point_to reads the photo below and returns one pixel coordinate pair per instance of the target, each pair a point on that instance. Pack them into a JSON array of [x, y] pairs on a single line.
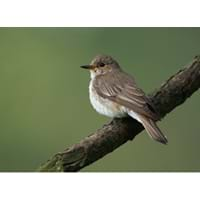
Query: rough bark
[[171, 94]]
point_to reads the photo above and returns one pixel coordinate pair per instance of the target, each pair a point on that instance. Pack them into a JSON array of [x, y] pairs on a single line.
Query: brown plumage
[[110, 84]]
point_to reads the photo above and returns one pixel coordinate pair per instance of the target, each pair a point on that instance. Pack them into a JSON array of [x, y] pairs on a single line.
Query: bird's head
[[102, 64]]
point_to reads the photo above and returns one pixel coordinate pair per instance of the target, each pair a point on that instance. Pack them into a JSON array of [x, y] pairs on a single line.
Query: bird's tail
[[150, 126], [153, 130]]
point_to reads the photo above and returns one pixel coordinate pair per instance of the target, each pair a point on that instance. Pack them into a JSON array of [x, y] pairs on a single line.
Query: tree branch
[[172, 93]]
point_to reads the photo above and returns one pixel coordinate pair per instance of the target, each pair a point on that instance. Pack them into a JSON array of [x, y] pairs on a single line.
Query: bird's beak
[[88, 66]]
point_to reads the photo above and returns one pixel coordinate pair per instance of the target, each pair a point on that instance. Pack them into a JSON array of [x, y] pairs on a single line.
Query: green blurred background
[[44, 104]]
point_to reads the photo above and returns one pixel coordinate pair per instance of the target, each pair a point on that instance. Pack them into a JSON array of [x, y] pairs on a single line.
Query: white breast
[[105, 106]]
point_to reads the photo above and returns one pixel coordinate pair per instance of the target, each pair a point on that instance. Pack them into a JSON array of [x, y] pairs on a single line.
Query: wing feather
[[122, 89]]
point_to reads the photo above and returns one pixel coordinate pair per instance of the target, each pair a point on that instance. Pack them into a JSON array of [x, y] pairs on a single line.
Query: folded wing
[[122, 89]]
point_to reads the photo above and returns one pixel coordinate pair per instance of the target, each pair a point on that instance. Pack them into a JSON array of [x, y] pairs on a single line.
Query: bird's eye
[[101, 64]]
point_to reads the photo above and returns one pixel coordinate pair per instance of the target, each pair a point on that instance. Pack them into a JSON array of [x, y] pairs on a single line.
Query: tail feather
[[153, 130], [151, 127]]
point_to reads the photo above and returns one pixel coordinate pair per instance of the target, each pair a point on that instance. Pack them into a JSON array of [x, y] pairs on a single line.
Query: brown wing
[[122, 89]]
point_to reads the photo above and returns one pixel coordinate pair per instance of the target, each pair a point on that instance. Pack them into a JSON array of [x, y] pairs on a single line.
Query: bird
[[114, 93]]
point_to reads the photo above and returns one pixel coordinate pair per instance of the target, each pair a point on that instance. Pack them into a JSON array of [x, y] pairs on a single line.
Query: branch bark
[[171, 94]]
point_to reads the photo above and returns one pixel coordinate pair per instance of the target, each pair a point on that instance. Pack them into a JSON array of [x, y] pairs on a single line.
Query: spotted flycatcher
[[114, 93]]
